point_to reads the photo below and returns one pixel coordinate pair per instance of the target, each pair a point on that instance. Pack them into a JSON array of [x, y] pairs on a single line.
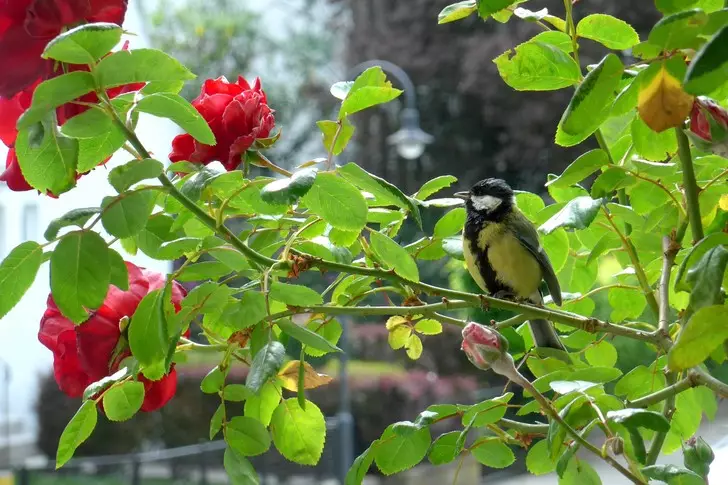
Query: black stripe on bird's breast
[[473, 225], [489, 275]]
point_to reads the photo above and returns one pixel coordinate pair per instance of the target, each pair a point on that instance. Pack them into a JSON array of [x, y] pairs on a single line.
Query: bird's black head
[[491, 198]]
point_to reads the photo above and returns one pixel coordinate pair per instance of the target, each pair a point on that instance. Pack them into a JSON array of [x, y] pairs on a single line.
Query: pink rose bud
[[482, 345], [709, 126]]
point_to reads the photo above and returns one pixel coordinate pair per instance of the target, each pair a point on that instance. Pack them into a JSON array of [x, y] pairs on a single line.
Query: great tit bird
[[503, 253]]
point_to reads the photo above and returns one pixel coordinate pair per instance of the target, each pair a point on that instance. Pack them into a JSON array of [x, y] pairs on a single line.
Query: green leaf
[[239, 470], [428, 326], [706, 278], [673, 475], [17, 273], [336, 134], [216, 421], [444, 449], [49, 165], [119, 273], [122, 401], [247, 312], [489, 7], [77, 430], [306, 336], [707, 70], [84, 44], [124, 176], [581, 168], [538, 461], [577, 214], [640, 418], [537, 66], [329, 194], [433, 186], [261, 406], [266, 364], [580, 472], [696, 254], [370, 88], [148, 338], [609, 181], [299, 433], [55, 92], [80, 274], [602, 354], [626, 303], [385, 192], [331, 331], [678, 31], [237, 393], [94, 151], [487, 412], [591, 102], [705, 331], [607, 30], [401, 452], [207, 297], [127, 214], [213, 382], [456, 11], [639, 382], [74, 217], [394, 256], [492, 453], [360, 467], [139, 65], [451, 223], [94, 122], [182, 113], [288, 190], [295, 295], [247, 436]]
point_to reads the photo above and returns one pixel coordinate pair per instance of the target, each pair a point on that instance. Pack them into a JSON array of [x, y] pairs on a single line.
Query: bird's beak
[[462, 195]]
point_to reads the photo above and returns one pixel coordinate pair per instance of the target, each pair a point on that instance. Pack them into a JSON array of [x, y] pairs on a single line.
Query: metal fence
[[200, 464]]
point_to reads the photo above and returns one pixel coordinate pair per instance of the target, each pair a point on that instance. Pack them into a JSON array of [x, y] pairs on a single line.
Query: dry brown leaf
[[662, 103], [312, 379]]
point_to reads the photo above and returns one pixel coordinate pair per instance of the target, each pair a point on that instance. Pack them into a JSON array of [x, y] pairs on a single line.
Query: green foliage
[[621, 228]]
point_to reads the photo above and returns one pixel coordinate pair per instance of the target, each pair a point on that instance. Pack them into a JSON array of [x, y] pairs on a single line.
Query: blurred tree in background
[[230, 37]]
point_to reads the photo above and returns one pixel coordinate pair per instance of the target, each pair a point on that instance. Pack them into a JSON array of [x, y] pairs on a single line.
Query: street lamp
[[410, 140]]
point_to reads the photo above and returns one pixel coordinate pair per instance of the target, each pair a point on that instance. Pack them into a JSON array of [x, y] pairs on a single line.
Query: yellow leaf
[[311, 379], [723, 202], [398, 336], [414, 347], [395, 321], [662, 103]]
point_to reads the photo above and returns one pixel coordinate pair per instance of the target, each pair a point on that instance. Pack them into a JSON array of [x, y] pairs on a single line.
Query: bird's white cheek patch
[[486, 203]]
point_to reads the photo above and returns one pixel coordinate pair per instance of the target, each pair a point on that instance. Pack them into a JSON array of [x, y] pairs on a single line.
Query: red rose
[[11, 109], [86, 353], [237, 114], [482, 345], [709, 126], [26, 26]]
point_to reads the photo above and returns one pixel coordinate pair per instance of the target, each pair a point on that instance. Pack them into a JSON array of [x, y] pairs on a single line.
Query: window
[[30, 222]]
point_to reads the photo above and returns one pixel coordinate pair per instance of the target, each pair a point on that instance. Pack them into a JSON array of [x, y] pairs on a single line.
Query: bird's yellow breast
[[512, 263]]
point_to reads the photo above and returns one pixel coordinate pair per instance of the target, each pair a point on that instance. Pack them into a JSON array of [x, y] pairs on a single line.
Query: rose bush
[[237, 113], [482, 345], [86, 353]]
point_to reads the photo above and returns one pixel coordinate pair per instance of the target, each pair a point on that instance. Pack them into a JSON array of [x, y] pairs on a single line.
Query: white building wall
[[25, 215]]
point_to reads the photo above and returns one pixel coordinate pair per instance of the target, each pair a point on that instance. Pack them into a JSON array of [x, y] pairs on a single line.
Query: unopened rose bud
[[709, 126], [698, 456], [482, 345]]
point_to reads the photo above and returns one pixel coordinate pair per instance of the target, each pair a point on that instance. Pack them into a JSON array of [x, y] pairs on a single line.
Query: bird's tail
[[544, 335]]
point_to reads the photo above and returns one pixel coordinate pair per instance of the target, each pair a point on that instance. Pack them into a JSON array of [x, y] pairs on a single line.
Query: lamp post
[[410, 140]]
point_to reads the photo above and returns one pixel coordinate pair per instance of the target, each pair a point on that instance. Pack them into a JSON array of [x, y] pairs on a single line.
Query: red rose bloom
[[86, 353], [26, 26], [709, 126], [11, 109], [237, 113]]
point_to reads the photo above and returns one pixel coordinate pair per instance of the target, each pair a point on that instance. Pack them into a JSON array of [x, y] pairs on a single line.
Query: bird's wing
[[528, 237]]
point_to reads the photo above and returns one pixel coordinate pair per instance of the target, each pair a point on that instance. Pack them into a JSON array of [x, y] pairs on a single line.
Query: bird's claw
[[505, 295]]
